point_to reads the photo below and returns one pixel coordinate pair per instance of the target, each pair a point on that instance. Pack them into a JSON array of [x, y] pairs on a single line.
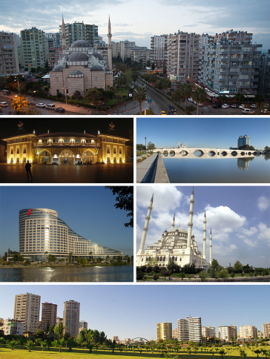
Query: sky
[[130, 311], [87, 210], [138, 20], [239, 217], [213, 132]]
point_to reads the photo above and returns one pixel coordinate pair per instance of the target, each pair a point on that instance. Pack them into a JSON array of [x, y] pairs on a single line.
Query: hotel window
[[120, 150], [56, 140], [24, 150], [65, 140], [18, 151], [108, 149], [11, 151], [114, 150]]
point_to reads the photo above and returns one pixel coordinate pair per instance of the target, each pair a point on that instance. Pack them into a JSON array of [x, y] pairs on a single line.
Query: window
[[108, 149], [18, 150], [11, 151], [120, 150], [24, 150]]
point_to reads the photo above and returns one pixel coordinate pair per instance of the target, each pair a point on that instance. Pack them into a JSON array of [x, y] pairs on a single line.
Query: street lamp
[[145, 144]]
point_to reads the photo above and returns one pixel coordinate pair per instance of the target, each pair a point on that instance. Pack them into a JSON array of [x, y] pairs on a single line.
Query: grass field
[[232, 353]]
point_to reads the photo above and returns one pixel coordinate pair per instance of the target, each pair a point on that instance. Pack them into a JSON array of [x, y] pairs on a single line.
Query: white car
[[3, 104], [225, 106], [190, 99], [248, 111], [40, 104], [253, 105], [50, 106], [241, 106]]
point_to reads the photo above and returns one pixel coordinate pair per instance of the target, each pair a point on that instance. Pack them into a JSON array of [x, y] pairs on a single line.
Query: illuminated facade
[[67, 148], [41, 232]]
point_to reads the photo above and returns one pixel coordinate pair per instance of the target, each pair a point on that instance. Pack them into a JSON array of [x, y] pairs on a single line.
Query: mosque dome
[[76, 72], [97, 68], [98, 56], [77, 56], [58, 68], [80, 43]]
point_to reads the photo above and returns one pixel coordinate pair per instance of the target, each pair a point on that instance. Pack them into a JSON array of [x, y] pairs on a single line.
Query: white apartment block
[[164, 331], [266, 330], [248, 331], [82, 325], [122, 49], [189, 329], [12, 327], [235, 36], [71, 317], [208, 332], [159, 51], [26, 310], [79, 31], [9, 61], [227, 332], [34, 48], [140, 54], [183, 52], [228, 68]]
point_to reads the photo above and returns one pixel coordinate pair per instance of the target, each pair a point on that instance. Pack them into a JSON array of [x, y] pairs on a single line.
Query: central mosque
[[176, 245]]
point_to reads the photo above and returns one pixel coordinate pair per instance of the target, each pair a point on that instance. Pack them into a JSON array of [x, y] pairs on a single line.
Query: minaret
[[109, 45], [173, 222], [64, 40], [145, 228], [210, 261], [204, 236], [190, 223]]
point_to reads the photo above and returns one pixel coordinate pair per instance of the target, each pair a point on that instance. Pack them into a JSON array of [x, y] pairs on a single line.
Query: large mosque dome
[[80, 43]]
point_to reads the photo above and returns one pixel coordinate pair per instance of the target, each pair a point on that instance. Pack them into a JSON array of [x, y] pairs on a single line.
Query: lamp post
[[145, 144]]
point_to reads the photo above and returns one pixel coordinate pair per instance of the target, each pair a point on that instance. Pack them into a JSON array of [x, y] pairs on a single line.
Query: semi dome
[[58, 68], [80, 43], [97, 68], [98, 56], [77, 56]]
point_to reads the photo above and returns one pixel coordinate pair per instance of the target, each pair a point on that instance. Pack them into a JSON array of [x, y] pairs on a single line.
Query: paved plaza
[[96, 173]]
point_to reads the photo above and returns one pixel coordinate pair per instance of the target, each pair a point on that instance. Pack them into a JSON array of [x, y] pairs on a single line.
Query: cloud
[[263, 203], [264, 233]]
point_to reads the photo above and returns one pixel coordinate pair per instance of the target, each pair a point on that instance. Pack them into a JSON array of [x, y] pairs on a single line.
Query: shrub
[[155, 276]]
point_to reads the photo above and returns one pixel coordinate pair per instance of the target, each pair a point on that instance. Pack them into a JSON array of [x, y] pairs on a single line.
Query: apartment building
[[227, 332], [183, 53], [159, 52], [122, 49], [12, 327], [266, 330], [9, 61], [79, 31], [34, 48], [71, 317], [208, 332], [235, 36], [248, 331], [26, 310], [190, 329], [164, 331], [82, 325], [49, 314]]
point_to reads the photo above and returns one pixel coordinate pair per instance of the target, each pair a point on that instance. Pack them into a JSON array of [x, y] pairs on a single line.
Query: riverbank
[[265, 278], [62, 265]]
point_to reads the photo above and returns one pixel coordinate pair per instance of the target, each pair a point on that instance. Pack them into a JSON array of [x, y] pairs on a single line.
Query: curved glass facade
[[41, 232]]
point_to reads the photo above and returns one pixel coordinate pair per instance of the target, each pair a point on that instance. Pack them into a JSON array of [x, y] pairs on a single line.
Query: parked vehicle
[[265, 111], [248, 111], [3, 104], [241, 106], [60, 109], [225, 105], [234, 105], [172, 109], [217, 105], [253, 105], [6, 92], [40, 104], [190, 99], [50, 106]]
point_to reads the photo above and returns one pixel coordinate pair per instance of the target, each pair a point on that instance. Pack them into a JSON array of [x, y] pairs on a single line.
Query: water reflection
[[218, 170], [67, 274]]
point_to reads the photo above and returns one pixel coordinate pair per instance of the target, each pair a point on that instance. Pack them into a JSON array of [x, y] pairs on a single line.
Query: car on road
[[40, 104], [190, 99], [234, 105], [253, 105], [241, 106], [60, 109], [3, 104], [265, 111], [217, 105], [248, 111], [50, 106], [172, 109], [225, 105], [163, 113]]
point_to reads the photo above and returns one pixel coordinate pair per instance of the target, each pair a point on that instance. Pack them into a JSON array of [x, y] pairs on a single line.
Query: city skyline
[[203, 132], [210, 17], [238, 216], [189, 301], [85, 217]]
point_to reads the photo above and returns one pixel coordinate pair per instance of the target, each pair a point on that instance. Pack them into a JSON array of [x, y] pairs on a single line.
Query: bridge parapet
[[175, 152]]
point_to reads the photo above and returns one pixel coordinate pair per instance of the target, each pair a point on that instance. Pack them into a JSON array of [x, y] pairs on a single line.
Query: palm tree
[[186, 91], [29, 345], [121, 81], [140, 96], [199, 95]]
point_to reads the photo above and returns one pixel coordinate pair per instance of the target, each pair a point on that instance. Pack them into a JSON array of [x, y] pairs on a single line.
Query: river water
[[67, 274], [218, 170]]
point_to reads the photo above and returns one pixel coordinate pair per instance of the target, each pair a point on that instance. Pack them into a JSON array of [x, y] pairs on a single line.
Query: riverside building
[[189, 329], [41, 232], [176, 245], [67, 148], [164, 331]]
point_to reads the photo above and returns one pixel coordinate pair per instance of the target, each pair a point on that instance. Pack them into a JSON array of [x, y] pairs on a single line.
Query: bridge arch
[[140, 338], [183, 153], [198, 152], [212, 153], [172, 153], [165, 153], [224, 153]]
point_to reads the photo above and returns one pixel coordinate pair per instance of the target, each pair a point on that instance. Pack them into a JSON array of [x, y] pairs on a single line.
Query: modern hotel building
[[41, 232], [67, 148]]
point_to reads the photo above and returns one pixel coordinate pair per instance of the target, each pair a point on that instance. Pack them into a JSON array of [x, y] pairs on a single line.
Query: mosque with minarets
[[81, 67], [176, 245]]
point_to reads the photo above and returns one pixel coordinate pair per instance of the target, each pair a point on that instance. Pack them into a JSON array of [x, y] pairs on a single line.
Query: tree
[[140, 147], [238, 267], [186, 91], [59, 330], [94, 95], [124, 200], [239, 97], [19, 104], [122, 82], [29, 345], [77, 95], [59, 343], [177, 96], [85, 338], [199, 95], [140, 96], [51, 258], [151, 146]]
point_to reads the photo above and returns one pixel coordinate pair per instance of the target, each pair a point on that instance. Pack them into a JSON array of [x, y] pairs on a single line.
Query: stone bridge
[[182, 152]]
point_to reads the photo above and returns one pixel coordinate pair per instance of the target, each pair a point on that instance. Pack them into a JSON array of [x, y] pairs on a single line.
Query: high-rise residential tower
[[164, 331], [190, 329], [49, 315], [71, 317], [26, 310]]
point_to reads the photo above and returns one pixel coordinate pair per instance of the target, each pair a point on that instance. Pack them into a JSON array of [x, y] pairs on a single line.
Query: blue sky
[[238, 215], [129, 311], [203, 131], [138, 20], [88, 210]]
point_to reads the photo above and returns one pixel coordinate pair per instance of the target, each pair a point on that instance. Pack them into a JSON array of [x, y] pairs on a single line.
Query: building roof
[[80, 43], [97, 68], [78, 56], [58, 68], [76, 72], [57, 134]]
